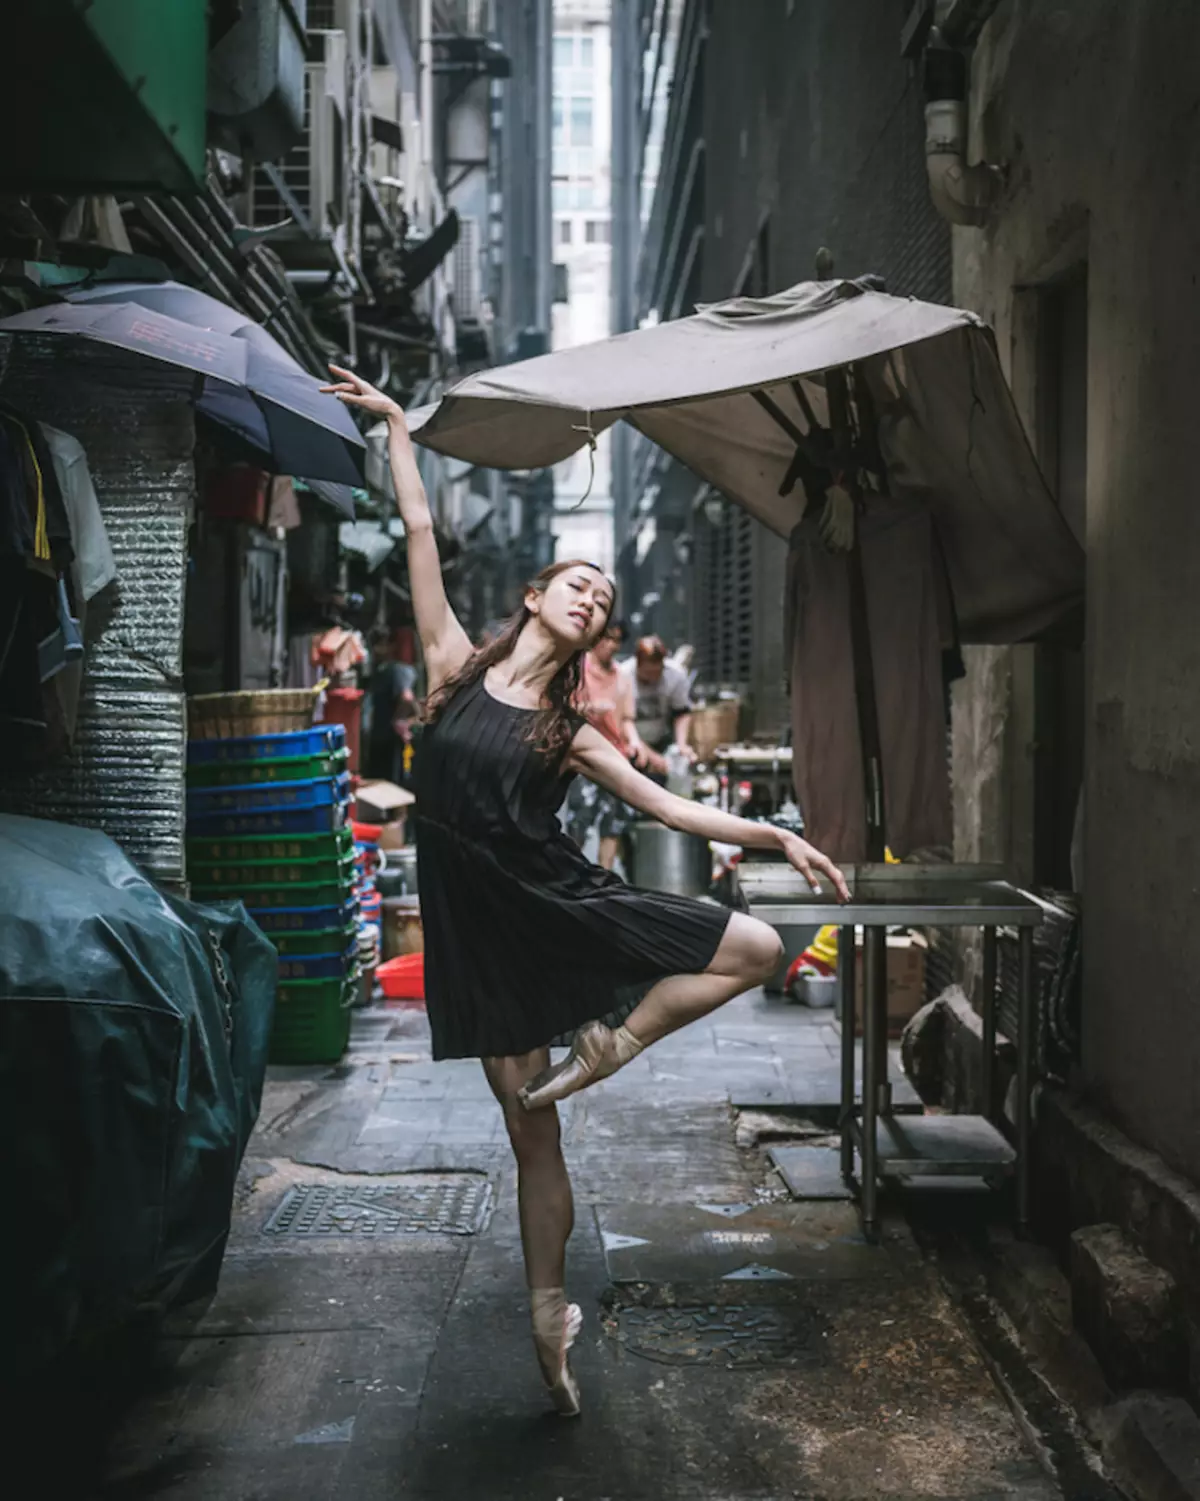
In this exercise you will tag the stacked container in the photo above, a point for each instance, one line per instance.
(268, 823)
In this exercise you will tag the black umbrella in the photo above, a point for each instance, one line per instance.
(257, 391)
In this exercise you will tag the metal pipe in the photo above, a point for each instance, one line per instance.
(1025, 1041)
(543, 207)
(988, 1076)
(874, 1069)
(425, 64)
(847, 957)
(962, 192)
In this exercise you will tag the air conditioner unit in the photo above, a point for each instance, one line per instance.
(306, 183)
(326, 125)
(467, 297)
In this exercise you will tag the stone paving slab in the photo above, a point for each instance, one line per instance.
(714, 1242)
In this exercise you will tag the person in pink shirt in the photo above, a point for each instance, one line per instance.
(606, 701)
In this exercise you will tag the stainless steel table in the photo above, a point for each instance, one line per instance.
(930, 896)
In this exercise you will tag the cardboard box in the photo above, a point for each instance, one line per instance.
(381, 802)
(905, 980)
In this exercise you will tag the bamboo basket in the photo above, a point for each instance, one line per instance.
(713, 725)
(264, 711)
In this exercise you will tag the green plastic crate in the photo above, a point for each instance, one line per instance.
(322, 941)
(312, 1020)
(263, 848)
(294, 894)
(236, 877)
(280, 769)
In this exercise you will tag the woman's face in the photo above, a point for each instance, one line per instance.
(575, 607)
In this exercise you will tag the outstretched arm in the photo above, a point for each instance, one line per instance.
(444, 642)
(595, 758)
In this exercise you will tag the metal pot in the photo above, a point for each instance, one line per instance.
(668, 860)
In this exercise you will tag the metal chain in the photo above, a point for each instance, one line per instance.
(222, 982)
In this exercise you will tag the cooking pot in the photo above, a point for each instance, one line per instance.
(670, 860)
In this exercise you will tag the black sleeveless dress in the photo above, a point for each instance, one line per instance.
(525, 939)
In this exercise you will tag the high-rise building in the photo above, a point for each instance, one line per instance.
(581, 202)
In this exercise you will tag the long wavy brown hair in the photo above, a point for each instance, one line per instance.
(552, 728)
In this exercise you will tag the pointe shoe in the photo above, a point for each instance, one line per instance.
(555, 1326)
(596, 1052)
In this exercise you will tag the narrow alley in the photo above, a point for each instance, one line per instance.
(736, 1343)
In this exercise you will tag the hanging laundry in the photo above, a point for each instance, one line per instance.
(96, 567)
(283, 507)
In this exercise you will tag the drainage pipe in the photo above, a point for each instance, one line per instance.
(962, 192)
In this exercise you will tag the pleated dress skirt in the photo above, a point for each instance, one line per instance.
(525, 940)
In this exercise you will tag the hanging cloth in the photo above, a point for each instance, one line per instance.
(910, 623)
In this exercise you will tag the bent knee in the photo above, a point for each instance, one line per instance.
(771, 956)
(764, 951)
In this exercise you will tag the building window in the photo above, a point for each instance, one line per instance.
(581, 122)
(564, 231)
(556, 117)
(564, 49)
(560, 192)
(595, 232)
(586, 49)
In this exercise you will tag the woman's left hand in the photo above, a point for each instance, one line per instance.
(809, 862)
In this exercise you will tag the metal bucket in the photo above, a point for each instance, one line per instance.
(668, 860)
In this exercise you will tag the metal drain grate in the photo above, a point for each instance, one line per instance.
(455, 1205)
(730, 1336)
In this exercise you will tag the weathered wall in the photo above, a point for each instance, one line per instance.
(814, 123)
(1093, 106)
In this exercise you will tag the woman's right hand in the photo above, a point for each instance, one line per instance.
(356, 392)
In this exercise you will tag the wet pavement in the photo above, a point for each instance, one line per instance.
(370, 1335)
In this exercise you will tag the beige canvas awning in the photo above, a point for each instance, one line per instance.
(948, 427)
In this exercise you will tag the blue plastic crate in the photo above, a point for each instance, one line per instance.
(271, 821)
(302, 919)
(319, 741)
(265, 797)
(317, 966)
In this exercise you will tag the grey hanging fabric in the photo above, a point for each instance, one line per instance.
(911, 623)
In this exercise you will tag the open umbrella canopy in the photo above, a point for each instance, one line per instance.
(257, 391)
(947, 426)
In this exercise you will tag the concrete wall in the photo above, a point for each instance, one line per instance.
(814, 122)
(1093, 106)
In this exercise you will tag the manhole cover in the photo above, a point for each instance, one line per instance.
(455, 1205)
(730, 1335)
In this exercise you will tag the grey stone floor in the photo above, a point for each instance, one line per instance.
(736, 1344)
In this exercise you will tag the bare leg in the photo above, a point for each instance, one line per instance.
(547, 1214)
(547, 1210)
(749, 953)
(608, 851)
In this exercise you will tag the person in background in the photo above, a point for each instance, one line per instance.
(605, 699)
(662, 706)
(392, 704)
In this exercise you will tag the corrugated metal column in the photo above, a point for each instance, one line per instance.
(125, 773)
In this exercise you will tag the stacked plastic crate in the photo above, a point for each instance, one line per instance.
(268, 823)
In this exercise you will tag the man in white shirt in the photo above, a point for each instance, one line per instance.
(662, 706)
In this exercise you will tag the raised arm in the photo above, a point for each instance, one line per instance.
(444, 642)
(595, 758)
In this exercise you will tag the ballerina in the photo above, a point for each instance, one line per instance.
(525, 939)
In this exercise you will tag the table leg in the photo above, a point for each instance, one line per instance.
(874, 1068)
(987, 1105)
(1025, 1027)
(846, 979)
